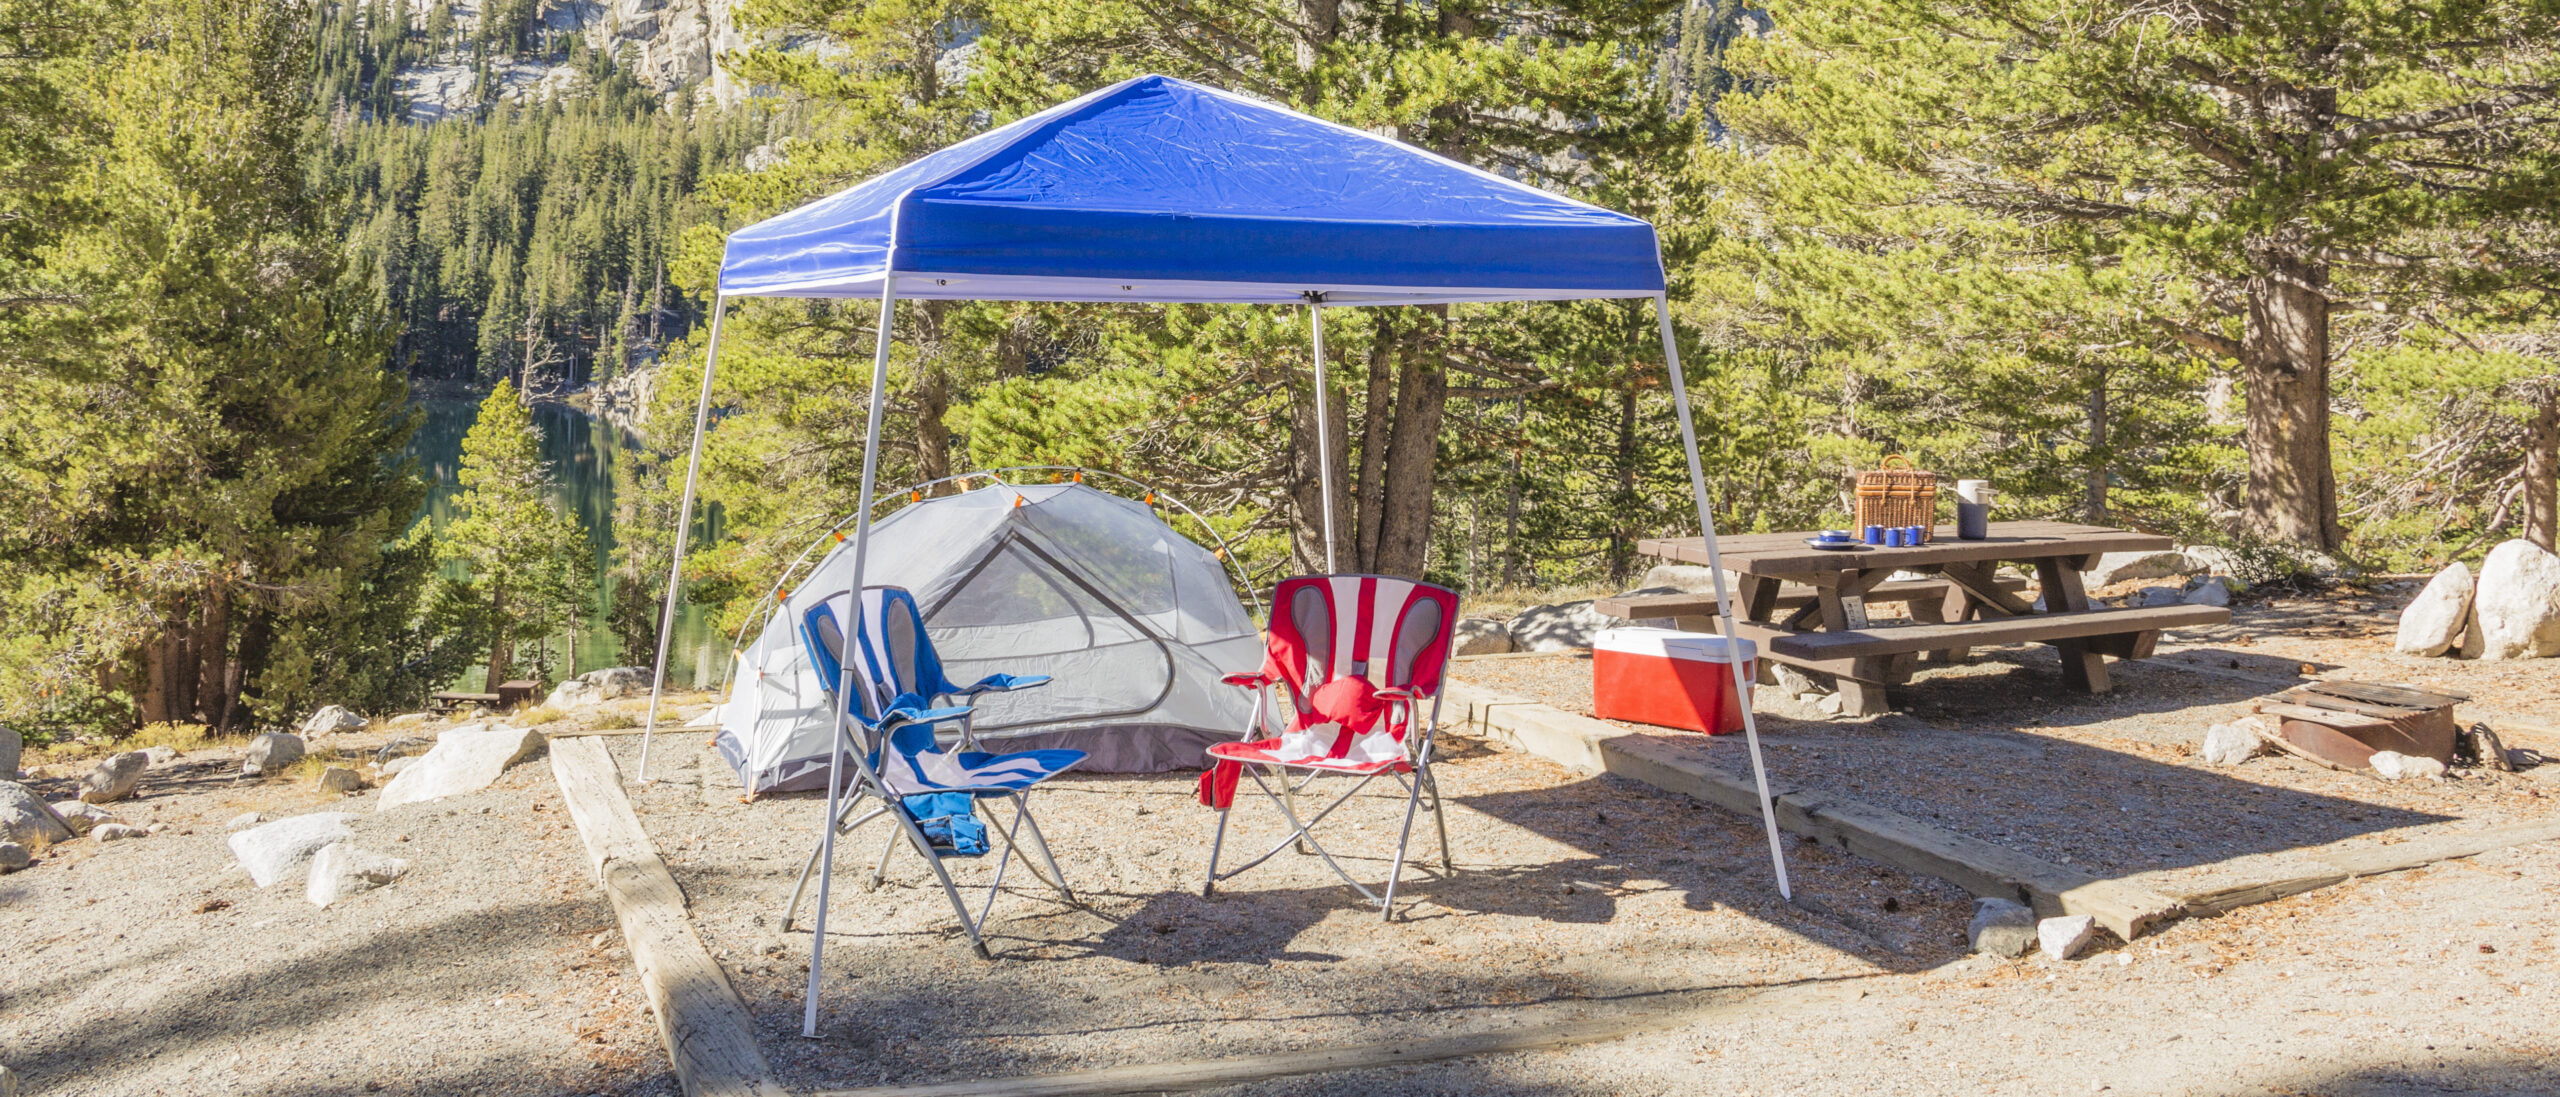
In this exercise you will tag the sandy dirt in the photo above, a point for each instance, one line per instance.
(154, 965)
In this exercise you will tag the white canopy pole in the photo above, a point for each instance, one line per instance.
(1724, 598)
(1324, 433)
(684, 529)
(852, 645)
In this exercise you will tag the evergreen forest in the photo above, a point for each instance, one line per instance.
(2276, 275)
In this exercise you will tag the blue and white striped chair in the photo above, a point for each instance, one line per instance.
(898, 757)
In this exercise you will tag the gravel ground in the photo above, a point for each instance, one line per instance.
(154, 965)
(1999, 749)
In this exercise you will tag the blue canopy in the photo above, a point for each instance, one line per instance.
(1157, 189)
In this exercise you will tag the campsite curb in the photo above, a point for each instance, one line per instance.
(2128, 909)
(709, 1035)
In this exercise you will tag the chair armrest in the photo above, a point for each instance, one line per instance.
(1399, 693)
(902, 715)
(1255, 680)
(1004, 683)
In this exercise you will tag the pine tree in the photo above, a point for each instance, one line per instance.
(523, 562)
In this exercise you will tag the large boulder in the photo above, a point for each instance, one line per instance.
(278, 851)
(1687, 578)
(11, 746)
(114, 777)
(2118, 567)
(598, 686)
(1567, 627)
(12, 858)
(1482, 636)
(2436, 619)
(330, 720)
(340, 870)
(81, 818)
(26, 820)
(2519, 602)
(271, 752)
(462, 761)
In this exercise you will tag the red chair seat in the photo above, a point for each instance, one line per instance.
(1265, 752)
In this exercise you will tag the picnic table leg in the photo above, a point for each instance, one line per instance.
(2082, 669)
(1955, 608)
(1759, 597)
(1844, 608)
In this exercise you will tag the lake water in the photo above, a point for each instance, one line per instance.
(581, 451)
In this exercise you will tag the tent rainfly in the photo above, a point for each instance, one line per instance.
(1134, 623)
(1161, 190)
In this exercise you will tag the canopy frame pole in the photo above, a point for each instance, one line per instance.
(684, 529)
(852, 642)
(1724, 598)
(1324, 431)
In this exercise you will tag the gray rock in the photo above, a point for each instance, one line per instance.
(2439, 617)
(2117, 567)
(598, 686)
(393, 767)
(14, 857)
(114, 777)
(2211, 590)
(2001, 927)
(1566, 627)
(2391, 765)
(341, 780)
(402, 747)
(81, 818)
(1792, 682)
(12, 745)
(2158, 596)
(2519, 602)
(340, 870)
(116, 832)
(2230, 744)
(1831, 704)
(462, 761)
(2063, 938)
(160, 756)
(244, 820)
(271, 752)
(1482, 636)
(1687, 578)
(330, 720)
(26, 820)
(2211, 559)
(280, 850)
(8, 1082)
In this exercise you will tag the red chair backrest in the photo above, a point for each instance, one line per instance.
(1394, 632)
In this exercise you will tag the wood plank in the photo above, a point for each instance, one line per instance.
(709, 1036)
(2347, 865)
(2037, 628)
(1980, 582)
(1787, 597)
(1786, 553)
(1687, 1008)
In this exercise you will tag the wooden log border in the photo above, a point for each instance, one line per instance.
(709, 1036)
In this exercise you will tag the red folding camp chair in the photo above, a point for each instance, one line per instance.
(1359, 655)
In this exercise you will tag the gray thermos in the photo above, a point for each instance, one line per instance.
(1973, 509)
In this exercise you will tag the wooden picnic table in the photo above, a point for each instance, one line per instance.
(1826, 593)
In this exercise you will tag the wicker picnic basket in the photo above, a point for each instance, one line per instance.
(1898, 495)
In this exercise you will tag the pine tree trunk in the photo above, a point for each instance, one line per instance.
(501, 641)
(1377, 422)
(2293, 491)
(213, 659)
(1622, 531)
(1413, 456)
(2093, 501)
(2542, 472)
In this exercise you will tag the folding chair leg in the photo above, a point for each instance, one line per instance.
(1412, 803)
(792, 912)
(1217, 842)
(1439, 819)
(1040, 843)
(880, 872)
(1289, 795)
(915, 836)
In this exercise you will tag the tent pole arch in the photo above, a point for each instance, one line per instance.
(853, 629)
(1724, 598)
(684, 529)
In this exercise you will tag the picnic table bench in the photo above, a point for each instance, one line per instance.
(1825, 593)
(508, 693)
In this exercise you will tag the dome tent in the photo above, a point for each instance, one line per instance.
(1134, 622)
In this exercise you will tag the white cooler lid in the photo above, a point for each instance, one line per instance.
(1702, 647)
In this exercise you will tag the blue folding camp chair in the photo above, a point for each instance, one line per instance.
(929, 790)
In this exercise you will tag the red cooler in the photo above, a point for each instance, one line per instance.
(1671, 678)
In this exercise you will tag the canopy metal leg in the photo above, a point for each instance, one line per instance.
(1724, 598)
(684, 530)
(1324, 435)
(844, 684)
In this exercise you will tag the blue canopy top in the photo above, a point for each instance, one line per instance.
(1157, 189)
